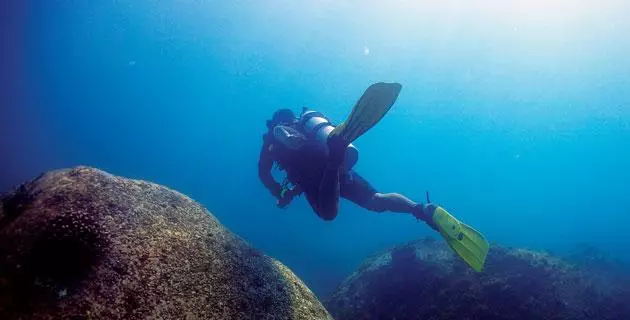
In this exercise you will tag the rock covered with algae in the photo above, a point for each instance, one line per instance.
(425, 280)
(84, 244)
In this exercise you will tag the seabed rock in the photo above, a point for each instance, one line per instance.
(425, 280)
(84, 244)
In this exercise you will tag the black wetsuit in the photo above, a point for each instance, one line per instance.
(305, 168)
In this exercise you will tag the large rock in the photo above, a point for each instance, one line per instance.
(424, 280)
(83, 244)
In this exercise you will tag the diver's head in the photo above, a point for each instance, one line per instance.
(281, 117)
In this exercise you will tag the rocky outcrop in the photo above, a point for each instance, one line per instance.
(84, 244)
(424, 280)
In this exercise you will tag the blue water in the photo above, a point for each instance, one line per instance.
(515, 115)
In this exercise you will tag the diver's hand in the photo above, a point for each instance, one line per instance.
(283, 202)
(286, 197)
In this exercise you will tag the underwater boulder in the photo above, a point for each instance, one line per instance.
(83, 244)
(424, 280)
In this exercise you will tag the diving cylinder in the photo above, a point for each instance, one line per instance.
(317, 125)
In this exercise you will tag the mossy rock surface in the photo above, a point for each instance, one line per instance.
(425, 280)
(83, 244)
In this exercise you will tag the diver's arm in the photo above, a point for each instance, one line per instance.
(265, 164)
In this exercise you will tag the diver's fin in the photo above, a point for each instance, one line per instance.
(467, 242)
(368, 111)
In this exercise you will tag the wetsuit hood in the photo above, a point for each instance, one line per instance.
(281, 117)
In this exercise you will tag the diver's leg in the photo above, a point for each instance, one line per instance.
(312, 198)
(329, 190)
(358, 190)
(394, 202)
(328, 202)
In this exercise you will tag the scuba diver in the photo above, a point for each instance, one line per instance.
(318, 160)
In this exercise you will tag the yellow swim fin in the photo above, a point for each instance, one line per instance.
(368, 111)
(467, 242)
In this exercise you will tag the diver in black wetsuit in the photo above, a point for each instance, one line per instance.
(320, 176)
(318, 158)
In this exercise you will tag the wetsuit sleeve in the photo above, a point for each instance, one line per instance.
(265, 164)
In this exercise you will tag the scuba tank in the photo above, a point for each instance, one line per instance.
(317, 126)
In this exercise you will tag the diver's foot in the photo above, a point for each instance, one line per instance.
(336, 150)
(425, 212)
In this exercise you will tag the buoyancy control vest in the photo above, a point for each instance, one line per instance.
(313, 126)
